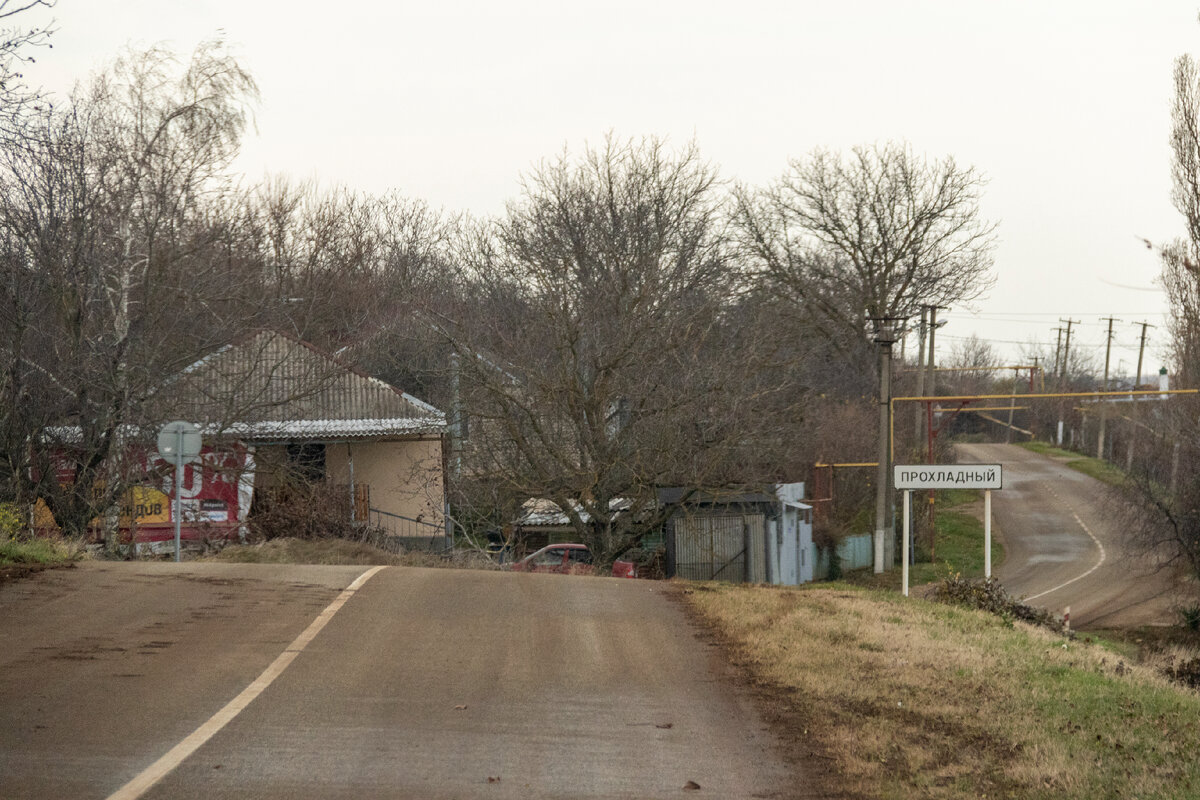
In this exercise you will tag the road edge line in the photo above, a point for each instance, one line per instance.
(1096, 566)
(144, 780)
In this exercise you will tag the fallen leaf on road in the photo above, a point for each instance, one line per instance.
(493, 780)
(691, 786)
(463, 707)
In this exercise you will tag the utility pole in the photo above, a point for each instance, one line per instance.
(933, 326)
(1104, 404)
(1064, 368)
(1057, 349)
(919, 412)
(1137, 381)
(885, 338)
(1012, 404)
(1062, 373)
(1141, 351)
(930, 390)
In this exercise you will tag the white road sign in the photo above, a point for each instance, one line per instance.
(179, 442)
(947, 476)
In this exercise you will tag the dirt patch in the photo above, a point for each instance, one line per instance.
(9, 573)
(794, 729)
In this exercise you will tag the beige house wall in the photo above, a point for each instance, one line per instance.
(268, 460)
(405, 476)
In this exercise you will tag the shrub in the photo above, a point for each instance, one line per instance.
(1185, 672)
(1190, 615)
(11, 522)
(301, 510)
(989, 595)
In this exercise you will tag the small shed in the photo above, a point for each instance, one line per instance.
(739, 535)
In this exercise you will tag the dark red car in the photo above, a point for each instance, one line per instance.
(568, 559)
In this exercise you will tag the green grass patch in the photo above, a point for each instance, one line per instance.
(1097, 468)
(957, 549)
(37, 551)
(1047, 449)
(907, 698)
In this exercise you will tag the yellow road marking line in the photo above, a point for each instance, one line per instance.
(177, 754)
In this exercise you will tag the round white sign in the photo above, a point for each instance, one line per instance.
(179, 442)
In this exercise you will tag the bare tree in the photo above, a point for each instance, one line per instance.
(1181, 258)
(972, 363)
(601, 360)
(1160, 499)
(116, 264)
(17, 43)
(1161, 495)
(871, 235)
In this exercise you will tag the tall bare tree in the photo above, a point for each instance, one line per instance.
(872, 234)
(601, 361)
(1181, 258)
(115, 259)
(1162, 491)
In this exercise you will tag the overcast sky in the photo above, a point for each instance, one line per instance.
(1063, 105)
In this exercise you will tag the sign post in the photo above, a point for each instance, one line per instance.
(949, 476)
(179, 443)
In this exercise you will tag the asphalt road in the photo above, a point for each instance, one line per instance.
(423, 684)
(1064, 548)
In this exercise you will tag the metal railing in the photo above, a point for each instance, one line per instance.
(397, 532)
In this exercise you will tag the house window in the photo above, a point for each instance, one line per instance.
(306, 460)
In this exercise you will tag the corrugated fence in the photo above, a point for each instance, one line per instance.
(853, 552)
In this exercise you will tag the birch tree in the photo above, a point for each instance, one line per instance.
(109, 209)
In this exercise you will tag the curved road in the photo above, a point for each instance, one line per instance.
(1062, 548)
(422, 683)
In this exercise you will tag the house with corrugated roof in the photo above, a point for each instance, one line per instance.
(300, 411)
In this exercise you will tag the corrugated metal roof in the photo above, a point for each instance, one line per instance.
(275, 386)
(539, 511)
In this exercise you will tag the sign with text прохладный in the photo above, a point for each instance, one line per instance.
(947, 476)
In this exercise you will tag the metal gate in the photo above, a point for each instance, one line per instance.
(723, 547)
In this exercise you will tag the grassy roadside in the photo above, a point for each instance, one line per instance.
(37, 552)
(958, 547)
(907, 698)
(1097, 468)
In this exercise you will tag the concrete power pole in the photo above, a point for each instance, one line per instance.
(1137, 381)
(885, 338)
(1064, 368)
(919, 410)
(1062, 374)
(933, 326)
(1057, 349)
(1104, 403)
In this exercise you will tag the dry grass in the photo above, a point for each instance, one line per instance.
(46, 551)
(341, 551)
(916, 699)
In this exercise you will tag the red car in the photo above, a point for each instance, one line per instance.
(568, 559)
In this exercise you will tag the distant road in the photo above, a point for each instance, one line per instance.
(1063, 549)
(424, 684)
